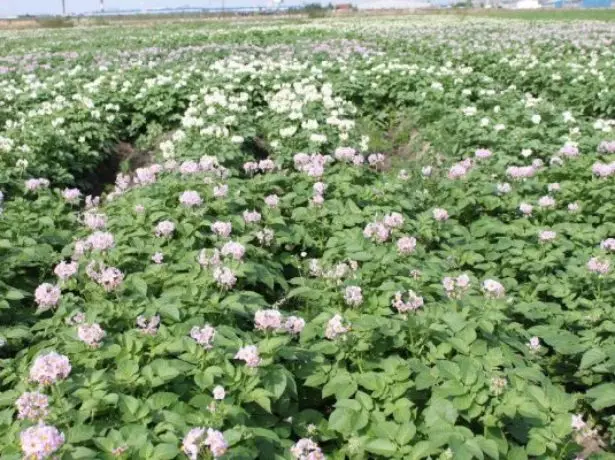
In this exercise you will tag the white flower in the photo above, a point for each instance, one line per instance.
(536, 119)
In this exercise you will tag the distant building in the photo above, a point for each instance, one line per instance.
(343, 7)
(393, 4)
(528, 5)
(596, 3)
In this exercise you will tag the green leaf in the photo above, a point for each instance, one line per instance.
(603, 396)
(165, 452)
(381, 446)
(347, 421)
(261, 397)
(79, 433)
(139, 285)
(421, 449)
(14, 294)
(342, 386)
(536, 447)
(440, 411)
(171, 311)
(405, 433)
(274, 381)
(592, 357)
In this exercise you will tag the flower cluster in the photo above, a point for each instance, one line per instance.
(413, 302)
(306, 449)
(204, 336)
(250, 355)
(336, 327)
(50, 368)
(456, 287)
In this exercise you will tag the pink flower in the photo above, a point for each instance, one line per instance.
(546, 236)
(216, 443)
(47, 296)
(189, 167)
(335, 327)
(520, 172)
(546, 202)
(573, 207)
(534, 344)
(110, 278)
(251, 217)
(91, 203)
(224, 277)
(71, 195)
(266, 165)
(249, 354)
(222, 229)
(122, 182)
(608, 244)
(219, 393)
(208, 163)
(190, 198)
(440, 214)
(139, 208)
(426, 171)
(554, 187)
(376, 160)
(250, 167)
(158, 257)
(265, 236)
(204, 336)
(165, 228)
(100, 241)
(233, 249)
(458, 171)
(344, 154)
(272, 201)
(317, 200)
(504, 188)
(306, 449)
(40, 441)
(91, 334)
(94, 220)
(602, 169)
(414, 302)
(483, 153)
(606, 147)
(32, 406)
(569, 151)
(192, 442)
(294, 324)
(456, 287)
(220, 191)
(50, 368)
(393, 220)
(493, 289)
(36, 184)
(268, 320)
(353, 296)
(599, 266)
(526, 209)
(406, 245)
(145, 176)
(376, 231)
(577, 422)
(65, 270)
(148, 326)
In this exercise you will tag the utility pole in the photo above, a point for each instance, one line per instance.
(63, 7)
(102, 6)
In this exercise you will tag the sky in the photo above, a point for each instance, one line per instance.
(17, 7)
(10, 8)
